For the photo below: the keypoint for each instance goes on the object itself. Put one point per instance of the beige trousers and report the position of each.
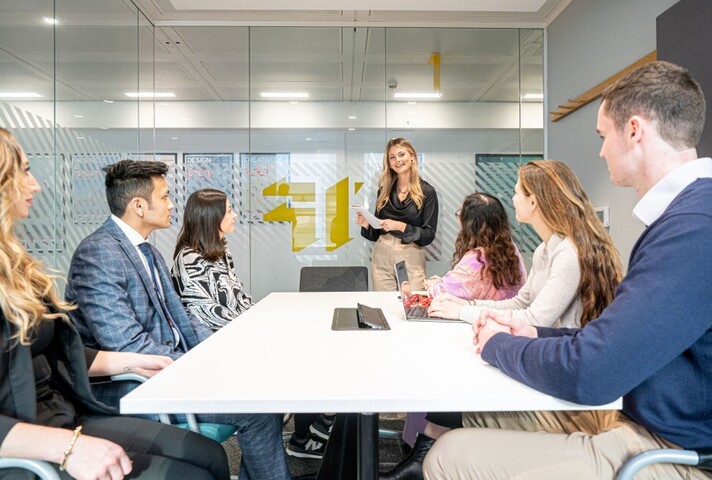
(548, 446)
(387, 252)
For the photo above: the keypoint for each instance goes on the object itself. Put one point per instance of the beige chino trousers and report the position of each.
(579, 445)
(388, 251)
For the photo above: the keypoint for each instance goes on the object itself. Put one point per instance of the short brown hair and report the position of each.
(662, 92)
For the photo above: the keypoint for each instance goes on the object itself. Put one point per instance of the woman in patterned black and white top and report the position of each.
(203, 271)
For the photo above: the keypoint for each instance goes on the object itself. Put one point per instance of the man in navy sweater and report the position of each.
(652, 345)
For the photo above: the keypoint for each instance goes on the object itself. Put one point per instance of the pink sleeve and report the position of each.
(465, 280)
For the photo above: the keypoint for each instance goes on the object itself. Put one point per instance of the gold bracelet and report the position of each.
(68, 451)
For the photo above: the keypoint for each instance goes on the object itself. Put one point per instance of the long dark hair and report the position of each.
(485, 225)
(204, 212)
(568, 212)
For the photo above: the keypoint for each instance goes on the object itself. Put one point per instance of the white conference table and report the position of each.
(282, 356)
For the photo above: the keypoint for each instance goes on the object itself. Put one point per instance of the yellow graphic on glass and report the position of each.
(303, 220)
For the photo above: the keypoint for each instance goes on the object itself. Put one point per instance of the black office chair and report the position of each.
(340, 279)
(333, 279)
(700, 459)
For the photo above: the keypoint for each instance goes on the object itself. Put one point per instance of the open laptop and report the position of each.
(415, 305)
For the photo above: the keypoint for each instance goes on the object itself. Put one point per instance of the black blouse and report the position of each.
(53, 409)
(421, 224)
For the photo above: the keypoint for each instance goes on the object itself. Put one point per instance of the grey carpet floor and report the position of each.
(389, 451)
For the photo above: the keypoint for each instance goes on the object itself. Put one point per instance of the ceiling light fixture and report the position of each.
(20, 95)
(50, 20)
(108, 101)
(416, 95)
(284, 94)
(150, 94)
(533, 96)
(78, 116)
(352, 117)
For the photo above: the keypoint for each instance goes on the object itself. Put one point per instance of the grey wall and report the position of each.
(586, 44)
(684, 37)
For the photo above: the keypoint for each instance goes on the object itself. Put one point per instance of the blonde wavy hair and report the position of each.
(388, 179)
(26, 291)
(568, 212)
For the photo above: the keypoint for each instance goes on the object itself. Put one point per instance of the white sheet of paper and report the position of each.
(370, 218)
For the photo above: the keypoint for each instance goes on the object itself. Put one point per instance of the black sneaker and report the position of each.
(310, 447)
(322, 426)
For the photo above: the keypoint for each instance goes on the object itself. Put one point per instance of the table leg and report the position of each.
(368, 446)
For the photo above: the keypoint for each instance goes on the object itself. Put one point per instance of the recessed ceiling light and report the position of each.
(78, 116)
(284, 94)
(352, 117)
(20, 95)
(150, 94)
(533, 96)
(108, 101)
(174, 138)
(416, 95)
(50, 20)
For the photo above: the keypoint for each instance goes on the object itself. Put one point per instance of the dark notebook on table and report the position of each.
(360, 318)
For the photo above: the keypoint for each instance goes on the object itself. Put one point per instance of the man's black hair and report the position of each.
(127, 179)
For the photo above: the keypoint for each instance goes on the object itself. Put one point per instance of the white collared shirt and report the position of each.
(656, 200)
(136, 239)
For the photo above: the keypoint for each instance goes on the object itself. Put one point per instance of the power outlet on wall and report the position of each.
(604, 215)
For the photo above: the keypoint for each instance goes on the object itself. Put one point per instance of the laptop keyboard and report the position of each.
(417, 312)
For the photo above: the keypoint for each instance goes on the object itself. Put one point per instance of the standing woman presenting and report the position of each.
(407, 207)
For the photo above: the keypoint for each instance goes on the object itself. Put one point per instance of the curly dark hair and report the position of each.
(485, 225)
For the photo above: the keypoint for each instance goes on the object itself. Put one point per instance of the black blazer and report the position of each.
(66, 358)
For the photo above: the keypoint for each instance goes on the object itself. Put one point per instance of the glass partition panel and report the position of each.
(78, 60)
(204, 128)
(455, 95)
(27, 32)
(96, 110)
(316, 118)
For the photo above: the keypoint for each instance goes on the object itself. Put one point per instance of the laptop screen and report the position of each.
(402, 279)
(414, 304)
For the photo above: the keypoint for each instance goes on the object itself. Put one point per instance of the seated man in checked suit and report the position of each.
(126, 302)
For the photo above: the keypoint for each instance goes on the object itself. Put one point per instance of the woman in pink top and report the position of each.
(486, 263)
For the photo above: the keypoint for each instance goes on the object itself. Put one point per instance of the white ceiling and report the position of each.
(204, 52)
(424, 13)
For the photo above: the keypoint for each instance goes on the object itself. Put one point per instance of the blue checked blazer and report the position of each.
(118, 309)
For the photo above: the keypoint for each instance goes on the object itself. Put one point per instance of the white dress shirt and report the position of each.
(658, 199)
